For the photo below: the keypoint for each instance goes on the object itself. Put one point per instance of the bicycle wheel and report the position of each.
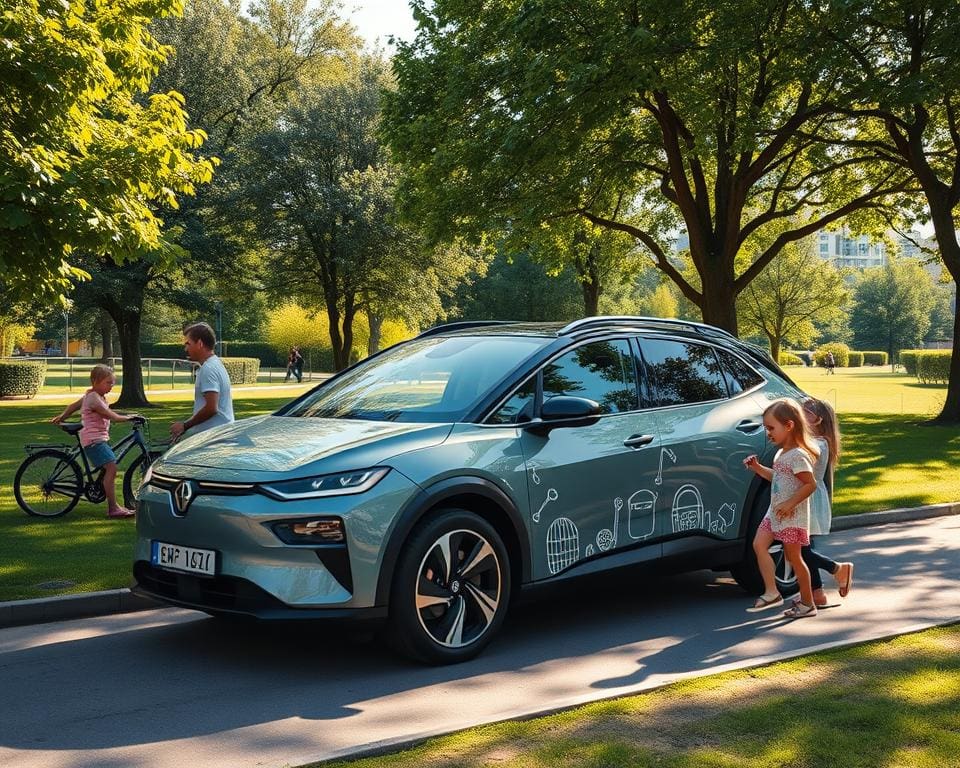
(48, 484)
(132, 479)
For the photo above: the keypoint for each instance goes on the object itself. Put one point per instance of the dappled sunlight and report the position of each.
(926, 686)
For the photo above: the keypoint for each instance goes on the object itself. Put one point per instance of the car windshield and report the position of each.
(437, 379)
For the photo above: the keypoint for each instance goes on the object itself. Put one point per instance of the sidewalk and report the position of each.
(111, 601)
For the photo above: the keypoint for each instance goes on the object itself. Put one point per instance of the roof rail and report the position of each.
(444, 327)
(588, 322)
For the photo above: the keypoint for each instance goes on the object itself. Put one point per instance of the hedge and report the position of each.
(854, 359)
(315, 359)
(841, 354)
(933, 366)
(788, 358)
(21, 377)
(241, 370)
(874, 358)
(908, 359)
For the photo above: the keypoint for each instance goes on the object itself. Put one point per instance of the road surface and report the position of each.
(169, 688)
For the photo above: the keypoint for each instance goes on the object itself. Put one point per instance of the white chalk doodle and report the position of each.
(720, 521)
(687, 511)
(533, 473)
(563, 544)
(642, 519)
(551, 496)
(607, 539)
(670, 455)
(588, 552)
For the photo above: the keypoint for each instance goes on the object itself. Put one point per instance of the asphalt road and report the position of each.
(173, 688)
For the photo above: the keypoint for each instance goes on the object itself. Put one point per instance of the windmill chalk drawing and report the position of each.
(607, 539)
(670, 455)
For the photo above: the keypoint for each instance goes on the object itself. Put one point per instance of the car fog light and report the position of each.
(325, 530)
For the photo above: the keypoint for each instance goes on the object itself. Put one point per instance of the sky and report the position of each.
(376, 20)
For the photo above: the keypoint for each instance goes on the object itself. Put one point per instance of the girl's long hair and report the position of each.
(787, 409)
(828, 428)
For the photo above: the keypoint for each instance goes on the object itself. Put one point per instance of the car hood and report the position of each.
(267, 445)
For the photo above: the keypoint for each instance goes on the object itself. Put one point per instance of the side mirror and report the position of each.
(564, 411)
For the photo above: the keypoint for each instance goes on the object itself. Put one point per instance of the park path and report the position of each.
(168, 688)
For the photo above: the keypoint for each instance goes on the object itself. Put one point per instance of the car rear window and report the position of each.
(682, 372)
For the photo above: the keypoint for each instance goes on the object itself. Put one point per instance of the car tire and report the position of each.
(746, 573)
(450, 590)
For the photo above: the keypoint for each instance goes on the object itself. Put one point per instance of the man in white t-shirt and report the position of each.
(212, 401)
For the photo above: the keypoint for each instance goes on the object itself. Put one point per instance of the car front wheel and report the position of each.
(451, 588)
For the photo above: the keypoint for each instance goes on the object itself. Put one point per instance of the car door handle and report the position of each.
(749, 426)
(638, 441)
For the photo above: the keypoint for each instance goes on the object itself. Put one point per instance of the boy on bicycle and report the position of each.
(96, 415)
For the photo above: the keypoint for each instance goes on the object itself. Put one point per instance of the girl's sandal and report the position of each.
(844, 577)
(766, 601)
(800, 611)
(820, 603)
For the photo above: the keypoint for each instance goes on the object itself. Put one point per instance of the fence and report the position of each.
(67, 374)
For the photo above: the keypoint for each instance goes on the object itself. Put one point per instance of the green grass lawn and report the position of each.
(890, 704)
(82, 551)
(891, 459)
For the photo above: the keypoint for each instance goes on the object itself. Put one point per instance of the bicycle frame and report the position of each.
(120, 449)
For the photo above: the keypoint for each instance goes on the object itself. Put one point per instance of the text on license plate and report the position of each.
(179, 558)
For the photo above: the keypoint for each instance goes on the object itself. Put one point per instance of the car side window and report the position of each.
(682, 372)
(519, 408)
(602, 371)
(740, 376)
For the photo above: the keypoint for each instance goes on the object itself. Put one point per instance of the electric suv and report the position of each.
(428, 484)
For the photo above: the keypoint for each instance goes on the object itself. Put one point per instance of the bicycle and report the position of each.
(50, 481)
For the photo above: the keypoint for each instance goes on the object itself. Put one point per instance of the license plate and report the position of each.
(176, 557)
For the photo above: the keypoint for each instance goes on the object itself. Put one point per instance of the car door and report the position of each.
(591, 487)
(705, 436)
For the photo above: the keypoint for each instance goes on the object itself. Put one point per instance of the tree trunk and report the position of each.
(106, 336)
(719, 304)
(774, 346)
(942, 216)
(376, 330)
(132, 394)
(591, 282)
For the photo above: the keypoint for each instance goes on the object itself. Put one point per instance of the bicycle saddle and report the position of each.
(71, 428)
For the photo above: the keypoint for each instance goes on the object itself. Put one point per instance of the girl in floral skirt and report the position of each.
(788, 518)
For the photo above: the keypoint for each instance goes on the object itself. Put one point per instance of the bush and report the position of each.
(841, 353)
(855, 359)
(241, 370)
(874, 358)
(788, 358)
(21, 377)
(933, 366)
(262, 350)
(908, 359)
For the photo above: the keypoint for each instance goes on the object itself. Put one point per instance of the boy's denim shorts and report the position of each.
(99, 454)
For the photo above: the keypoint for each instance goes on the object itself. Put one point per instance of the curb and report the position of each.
(46, 609)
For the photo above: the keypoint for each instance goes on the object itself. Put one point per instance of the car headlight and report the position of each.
(341, 484)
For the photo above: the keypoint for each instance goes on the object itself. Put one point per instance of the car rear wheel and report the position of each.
(746, 573)
(451, 588)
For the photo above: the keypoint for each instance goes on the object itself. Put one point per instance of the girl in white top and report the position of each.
(788, 518)
(822, 421)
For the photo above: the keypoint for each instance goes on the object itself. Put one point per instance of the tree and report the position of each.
(891, 306)
(519, 288)
(320, 189)
(787, 302)
(906, 64)
(84, 157)
(636, 117)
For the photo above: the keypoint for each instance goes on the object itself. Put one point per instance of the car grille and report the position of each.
(226, 593)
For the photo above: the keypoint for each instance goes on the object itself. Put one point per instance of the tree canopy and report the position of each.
(84, 156)
(639, 117)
